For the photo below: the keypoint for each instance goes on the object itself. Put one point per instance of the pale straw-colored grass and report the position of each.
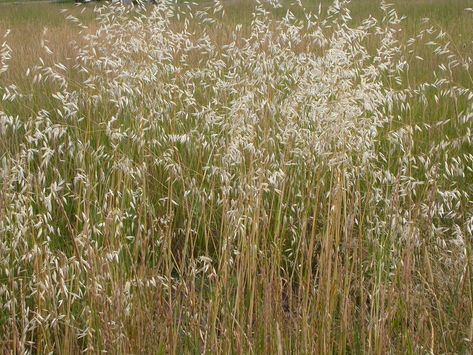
(190, 185)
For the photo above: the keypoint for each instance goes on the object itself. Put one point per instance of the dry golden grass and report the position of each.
(169, 192)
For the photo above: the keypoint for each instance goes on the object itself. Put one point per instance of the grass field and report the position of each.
(237, 178)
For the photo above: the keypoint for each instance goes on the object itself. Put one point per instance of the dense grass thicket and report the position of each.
(190, 182)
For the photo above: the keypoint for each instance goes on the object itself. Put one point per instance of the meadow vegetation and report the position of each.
(237, 177)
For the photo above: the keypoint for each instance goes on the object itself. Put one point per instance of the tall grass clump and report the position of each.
(190, 185)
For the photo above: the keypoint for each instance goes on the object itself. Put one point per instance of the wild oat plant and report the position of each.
(193, 185)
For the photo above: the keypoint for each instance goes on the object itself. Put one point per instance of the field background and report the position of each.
(27, 20)
(388, 295)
